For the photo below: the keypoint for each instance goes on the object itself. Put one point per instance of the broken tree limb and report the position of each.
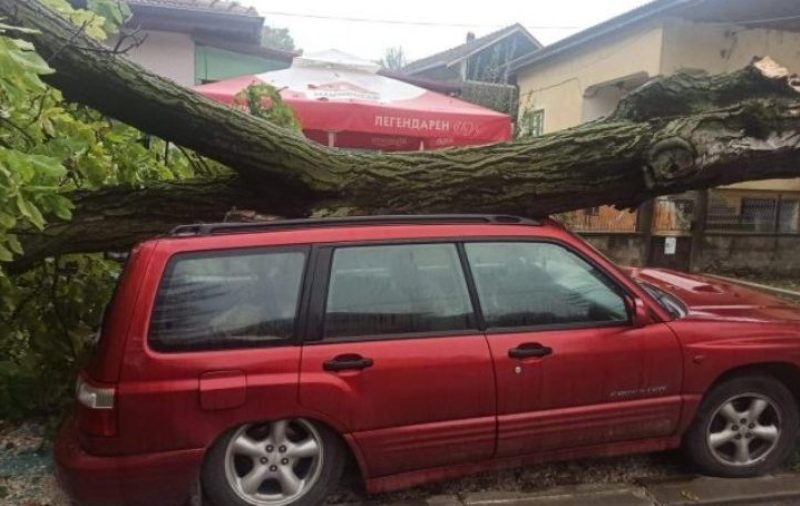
(674, 134)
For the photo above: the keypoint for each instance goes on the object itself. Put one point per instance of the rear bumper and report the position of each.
(155, 479)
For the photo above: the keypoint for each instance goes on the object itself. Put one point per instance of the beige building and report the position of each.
(583, 77)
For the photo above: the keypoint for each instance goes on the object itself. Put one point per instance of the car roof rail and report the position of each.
(400, 219)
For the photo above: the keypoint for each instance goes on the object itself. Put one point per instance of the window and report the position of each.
(758, 215)
(397, 289)
(532, 123)
(789, 216)
(527, 284)
(230, 299)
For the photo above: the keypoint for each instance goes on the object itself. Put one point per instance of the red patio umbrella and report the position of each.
(341, 101)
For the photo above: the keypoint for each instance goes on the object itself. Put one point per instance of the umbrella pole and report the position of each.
(331, 139)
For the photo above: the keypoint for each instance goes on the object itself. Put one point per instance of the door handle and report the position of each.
(349, 362)
(530, 350)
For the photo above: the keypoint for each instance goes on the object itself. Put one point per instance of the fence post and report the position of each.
(699, 221)
(644, 226)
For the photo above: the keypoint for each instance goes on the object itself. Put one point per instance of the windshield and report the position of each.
(668, 301)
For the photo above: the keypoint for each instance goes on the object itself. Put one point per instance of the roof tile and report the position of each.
(459, 52)
(218, 6)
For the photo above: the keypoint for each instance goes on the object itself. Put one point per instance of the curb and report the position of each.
(775, 490)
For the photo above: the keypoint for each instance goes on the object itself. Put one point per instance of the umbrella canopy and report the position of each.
(341, 100)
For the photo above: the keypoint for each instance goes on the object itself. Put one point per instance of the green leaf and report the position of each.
(14, 244)
(7, 221)
(61, 207)
(5, 254)
(47, 167)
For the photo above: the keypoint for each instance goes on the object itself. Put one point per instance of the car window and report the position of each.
(225, 300)
(396, 289)
(530, 283)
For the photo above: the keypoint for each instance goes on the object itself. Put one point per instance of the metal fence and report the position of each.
(754, 214)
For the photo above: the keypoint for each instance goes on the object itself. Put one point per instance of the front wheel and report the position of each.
(292, 462)
(746, 426)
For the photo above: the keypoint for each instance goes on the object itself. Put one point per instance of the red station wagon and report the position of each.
(249, 362)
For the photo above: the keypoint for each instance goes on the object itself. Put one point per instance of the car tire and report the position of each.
(293, 462)
(745, 426)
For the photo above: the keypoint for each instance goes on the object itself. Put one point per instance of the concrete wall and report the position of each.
(558, 86)
(167, 54)
(623, 249)
(749, 254)
(727, 253)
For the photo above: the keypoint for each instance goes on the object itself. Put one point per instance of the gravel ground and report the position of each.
(26, 467)
(622, 470)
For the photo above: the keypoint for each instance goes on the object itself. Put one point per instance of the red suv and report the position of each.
(251, 361)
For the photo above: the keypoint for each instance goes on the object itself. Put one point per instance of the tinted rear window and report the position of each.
(222, 300)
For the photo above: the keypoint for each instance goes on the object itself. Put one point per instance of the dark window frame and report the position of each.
(300, 312)
(315, 328)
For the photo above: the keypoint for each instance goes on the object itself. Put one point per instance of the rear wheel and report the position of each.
(746, 426)
(278, 463)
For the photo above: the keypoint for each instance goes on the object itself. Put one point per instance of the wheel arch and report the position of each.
(349, 443)
(785, 372)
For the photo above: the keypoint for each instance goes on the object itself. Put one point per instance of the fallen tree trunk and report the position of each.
(114, 218)
(679, 133)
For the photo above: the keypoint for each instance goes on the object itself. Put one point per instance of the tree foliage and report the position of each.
(394, 58)
(277, 38)
(48, 149)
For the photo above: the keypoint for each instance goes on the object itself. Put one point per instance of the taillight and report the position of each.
(96, 415)
(94, 397)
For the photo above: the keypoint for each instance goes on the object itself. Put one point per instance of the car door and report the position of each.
(572, 369)
(394, 355)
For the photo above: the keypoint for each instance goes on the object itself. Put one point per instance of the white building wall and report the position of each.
(167, 54)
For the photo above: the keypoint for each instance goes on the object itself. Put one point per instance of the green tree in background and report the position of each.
(277, 38)
(394, 59)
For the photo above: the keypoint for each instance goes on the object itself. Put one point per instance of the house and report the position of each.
(583, 77)
(481, 59)
(478, 70)
(200, 41)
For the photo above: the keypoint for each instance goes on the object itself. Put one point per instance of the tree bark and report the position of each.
(678, 133)
(117, 217)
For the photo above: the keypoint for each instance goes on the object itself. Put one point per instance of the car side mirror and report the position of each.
(639, 313)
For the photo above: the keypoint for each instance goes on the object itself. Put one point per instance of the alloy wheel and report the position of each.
(274, 463)
(744, 429)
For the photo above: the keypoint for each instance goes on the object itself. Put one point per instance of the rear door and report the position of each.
(572, 370)
(394, 354)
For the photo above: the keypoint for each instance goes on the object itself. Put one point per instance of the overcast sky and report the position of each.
(317, 25)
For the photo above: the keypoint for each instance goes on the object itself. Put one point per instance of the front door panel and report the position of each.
(572, 370)
(597, 386)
